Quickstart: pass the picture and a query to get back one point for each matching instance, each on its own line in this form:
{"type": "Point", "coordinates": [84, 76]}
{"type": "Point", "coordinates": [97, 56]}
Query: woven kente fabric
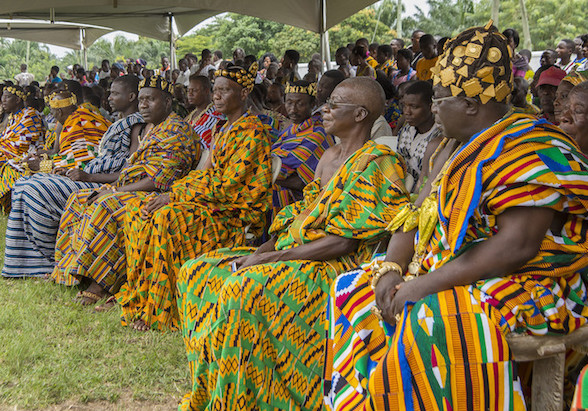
{"type": "Point", "coordinates": [90, 239]}
{"type": "Point", "coordinates": [38, 203]}
{"type": "Point", "coordinates": [449, 350]}
{"type": "Point", "coordinates": [300, 148]}
{"type": "Point", "coordinates": [210, 209]}
{"type": "Point", "coordinates": [255, 337]}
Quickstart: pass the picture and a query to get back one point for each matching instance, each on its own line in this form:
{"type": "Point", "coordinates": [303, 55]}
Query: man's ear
{"type": "Point", "coordinates": [472, 106]}
{"type": "Point", "coordinates": [133, 96]}
{"type": "Point", "coordinates": [244, 94]}
{"type": "Point", "coordinates": [359, 114]}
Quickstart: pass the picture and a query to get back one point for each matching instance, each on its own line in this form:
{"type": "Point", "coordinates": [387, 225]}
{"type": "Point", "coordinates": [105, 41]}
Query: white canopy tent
{"type": "Point", "coordinates": [154, 18]}
{"type": "Point", "coordinates": [70, 35]}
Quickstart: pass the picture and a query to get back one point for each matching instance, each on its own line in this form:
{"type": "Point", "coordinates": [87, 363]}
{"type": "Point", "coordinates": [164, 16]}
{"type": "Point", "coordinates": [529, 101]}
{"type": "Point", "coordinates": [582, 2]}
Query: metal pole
{"type": "Point", "coordinates": [324, 35]}
{"type": "Point", "coordinates": [399, 19]}
{"type": "Point", "coordinates": [28, 53]}
{"type": "Point", "coordinates": [84, 49]}
{"type": "Point", "coordinates": [526, 32]}
{"type": "Point", "coordinates": [172, 43]}
{"type": "Point", "coordinates": [495, 11]}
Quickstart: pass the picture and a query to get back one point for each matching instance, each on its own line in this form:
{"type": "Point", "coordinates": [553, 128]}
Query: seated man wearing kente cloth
{"type": "Point", "coordinates": [39, 201]}
{"type": "Point", "coordinates": [253, 319]}
{"type": "Point", "coordinates": [205, 117]}
{"type": "Point", "coordinates": [90, 240]}
{"type": "Point", "coordinates": [503, 250]}
{"type": "Point", "coordinates": [22, 134]}
{"type": "Point", "coordinates": [300, 146]}
{"type": "Point", "coordinates": [208, 209]}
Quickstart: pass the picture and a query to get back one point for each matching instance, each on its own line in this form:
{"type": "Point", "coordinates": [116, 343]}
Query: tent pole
{"type": "Point", "coordinates": [324, 35]}
{"type": "Point", "coordinates": [83, 46]}
{"type": "Point", "coordinates": [172, 42]}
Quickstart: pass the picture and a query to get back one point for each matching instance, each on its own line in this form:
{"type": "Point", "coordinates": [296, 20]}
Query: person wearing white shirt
{"type": "Point", "coordinates": [23, 78]}
{"type": "Point", "coordinates": [184, 77]}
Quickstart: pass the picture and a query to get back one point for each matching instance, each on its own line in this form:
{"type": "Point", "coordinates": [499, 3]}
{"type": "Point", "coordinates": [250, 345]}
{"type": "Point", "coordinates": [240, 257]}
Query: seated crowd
{"type": "Point", "coordinates": [362, 238]}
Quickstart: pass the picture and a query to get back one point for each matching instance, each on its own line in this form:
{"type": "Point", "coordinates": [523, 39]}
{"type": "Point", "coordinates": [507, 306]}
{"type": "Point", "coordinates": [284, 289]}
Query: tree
{"type": "Point", "coordinates": [13, 54]}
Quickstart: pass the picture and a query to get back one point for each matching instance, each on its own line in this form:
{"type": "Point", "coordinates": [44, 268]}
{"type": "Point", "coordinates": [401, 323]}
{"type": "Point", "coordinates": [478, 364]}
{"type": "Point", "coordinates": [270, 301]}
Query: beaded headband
{"type": "Point", "coordinates": [18, 93]}
{"type": "Point", "coordinates": [292, 88]}
{"type": "Point", "coordinates": [157, 82]}
{"type": "Point", "coordinates": [487, 79]}
{"type": "Point", "coordinates": [239, 75]}
{"type": "Point", "coordinates": [64, 102]}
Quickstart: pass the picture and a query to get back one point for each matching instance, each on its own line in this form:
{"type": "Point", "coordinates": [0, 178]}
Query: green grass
{"type": "Point", "coordinates": [55, 352]}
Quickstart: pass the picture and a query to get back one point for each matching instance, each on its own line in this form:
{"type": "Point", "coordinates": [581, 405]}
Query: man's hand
{"type": "Point", "coordinates": [252, 259]}
{"type": "Point", "coordinates": [33, 161]}
{"type": "Point", "coordinates": [102, 192]}
{"type": "Point", "coordinates": [154, 204]}
{"type": "Point", "coordinates": [78, 174]}
{"type": "Point", "coordinates": [385, 293]}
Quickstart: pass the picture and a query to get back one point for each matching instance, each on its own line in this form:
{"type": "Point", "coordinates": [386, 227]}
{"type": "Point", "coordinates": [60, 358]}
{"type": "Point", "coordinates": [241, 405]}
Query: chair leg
{"type": "Point", "coordinates": [548, 381]}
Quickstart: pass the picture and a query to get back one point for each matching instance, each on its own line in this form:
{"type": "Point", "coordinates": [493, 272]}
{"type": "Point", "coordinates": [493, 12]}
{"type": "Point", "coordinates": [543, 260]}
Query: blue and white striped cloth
{"type": "Point", "coordinates": [39, 201]}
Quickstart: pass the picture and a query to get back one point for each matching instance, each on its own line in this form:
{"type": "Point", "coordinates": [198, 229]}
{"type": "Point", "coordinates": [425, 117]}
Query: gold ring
{"type": "Point", "coordinates": [377, 312]}
{"type": "Point", "coordinates": [398, 317]}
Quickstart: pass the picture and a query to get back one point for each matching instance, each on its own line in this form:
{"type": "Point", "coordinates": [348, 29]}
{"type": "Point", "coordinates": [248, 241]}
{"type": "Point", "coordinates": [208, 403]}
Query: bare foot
{"type": "Point", "coordinates": [140, 325]}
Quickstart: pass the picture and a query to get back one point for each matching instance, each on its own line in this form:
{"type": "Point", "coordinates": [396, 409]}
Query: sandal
{"type": "Point", "coordinates": [91, 298]}
{"type": "Point", "coordinates": [108, 305]}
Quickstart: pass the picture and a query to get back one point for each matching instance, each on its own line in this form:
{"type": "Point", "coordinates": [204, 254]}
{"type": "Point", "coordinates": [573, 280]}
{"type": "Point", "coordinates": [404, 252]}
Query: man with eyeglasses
{"type": "Point", "coordinates": [267, 308]}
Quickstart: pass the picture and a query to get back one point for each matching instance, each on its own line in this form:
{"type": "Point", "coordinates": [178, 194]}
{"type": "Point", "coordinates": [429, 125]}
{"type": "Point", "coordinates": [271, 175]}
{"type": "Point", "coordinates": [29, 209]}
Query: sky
{"type": "Point", "coordinates": [409, 5]}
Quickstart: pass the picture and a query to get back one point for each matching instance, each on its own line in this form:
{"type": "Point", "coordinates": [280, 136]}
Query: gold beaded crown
{"type": "Point", "coordinates": [18, 92]}
{"type": "Point", "coordinates": [239, 75]}
{"type": "Point", "coordinates": [476, 63]}
{"type": "Point", "coordinates": [56, 102]}
{"type": "Point", "coordinates": [157, 82]}
{"type": "Point", "coordinates": [309, 89]}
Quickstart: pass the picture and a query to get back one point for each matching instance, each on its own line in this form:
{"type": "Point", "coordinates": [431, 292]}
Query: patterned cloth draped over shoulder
{"type": "Point", "coordinates": [90, 239]}
{"type": "Point", "coordinates": [79, 138]}
{"type": "Point", "coordinates": [255, 337]}
{"type": "Point", "coordinates": [449, 349]}
{"type": "Point", "coordinates": [300, 148]}
{"type": "Point", "coordinates": [210, 209]}
{"type": "Point", "coordinates": [22, 135]}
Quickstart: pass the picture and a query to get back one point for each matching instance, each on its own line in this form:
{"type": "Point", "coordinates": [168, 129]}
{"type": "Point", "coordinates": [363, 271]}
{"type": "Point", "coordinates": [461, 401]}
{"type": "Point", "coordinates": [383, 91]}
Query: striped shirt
{"type": "Point", "coordinates": [114, 149]}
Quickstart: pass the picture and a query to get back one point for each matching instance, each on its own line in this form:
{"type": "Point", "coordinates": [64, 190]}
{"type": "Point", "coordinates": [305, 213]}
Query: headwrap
{"type": "Point", "coordinates": [57, 102]}
{"type": "Point", "coordinates": [476, 63]}
{"type": "Point", "coordinates": [18, 92]}
{"type": "Point", "coordinates": [239, 75]}
{"type": "Point", "coordinates": [301, 87]}
{"type": "Point", "coordinates": [157, 82]}
{"type": "Point", "coordinates": [576, 77]}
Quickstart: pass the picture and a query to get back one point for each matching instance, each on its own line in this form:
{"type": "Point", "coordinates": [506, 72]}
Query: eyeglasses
{"type": "Point", "coordinates": [333, 105]}
{"type": "Point", "coordinates": [440, 99]}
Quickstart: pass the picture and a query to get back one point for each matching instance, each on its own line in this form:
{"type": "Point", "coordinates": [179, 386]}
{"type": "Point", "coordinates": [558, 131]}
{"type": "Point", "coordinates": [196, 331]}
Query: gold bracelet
{"type": "Point", "coordinates": [46, 166]}
{"type": "Point", "coordinates": [384, 268]}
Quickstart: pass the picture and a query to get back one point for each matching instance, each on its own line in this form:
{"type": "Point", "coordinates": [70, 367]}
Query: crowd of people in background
{"type": "Point", "coordinates": [272, 217]}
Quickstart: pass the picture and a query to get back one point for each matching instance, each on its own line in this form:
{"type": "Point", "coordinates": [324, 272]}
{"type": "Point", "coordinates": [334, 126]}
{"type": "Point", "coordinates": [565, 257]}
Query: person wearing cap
{"type": "Point", "coordinates": [90, 241]}
{"type": "Point", "coordinates": [212, 207]}
{"type": "Point", "coordinates": [23, 133]}
{"type": "Point", "coordinates": [560, 104]}
{"type": "Point", "coordinates": [547, 85]}
{"type": "Point", "coordinates": [255, 334]}
{"type": "Point", "coordinates": [300, 146]}
{"type": "Point", "coordinates": [38, 201]}
{"type": "Point", "coordinates": [504, 247]}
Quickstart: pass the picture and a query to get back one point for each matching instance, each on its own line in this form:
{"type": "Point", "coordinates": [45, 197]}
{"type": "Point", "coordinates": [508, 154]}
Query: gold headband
{"type": "Point", "coordinates": [64, 102]}
{"type": "Point", "coordinates": [20, 94]}
{"type": "Point", "coordinates": [239, 75]}
{"type": "Point", "coordinates": [292, 88]}
{"type": "Point", "coordinates": [490, 82]}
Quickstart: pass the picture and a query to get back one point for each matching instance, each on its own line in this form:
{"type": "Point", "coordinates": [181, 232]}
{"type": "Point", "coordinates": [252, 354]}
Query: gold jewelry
{"type": "Point", "coordinates": [377, 312]}
{"type": "Point", "coordinates": [382, 269]}
{"type": "Point", "coordinates": [157, 82]}
{"type": "Point", "coordinates": [18, 93]}
{"type": "Point", "coordinates": [398, 317]}
{"type": "Point", "coordinates": [239, 75]}
{"type": "Point", "coordinates": [65, 102]}
{"type": "Point", "coordinates": [310, 89]}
